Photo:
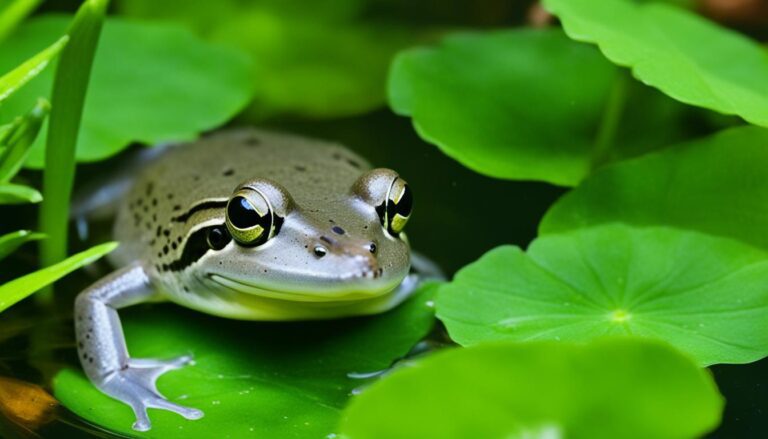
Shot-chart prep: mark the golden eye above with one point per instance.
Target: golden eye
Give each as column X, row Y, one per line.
column 398, row 206
column 249, row 218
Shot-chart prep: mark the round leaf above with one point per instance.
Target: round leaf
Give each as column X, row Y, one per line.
column 715, row 185
column 276, row 380
column 151, row 83
column 687, row 57
column 521, row 104
column 609, row 389
column 706, row 295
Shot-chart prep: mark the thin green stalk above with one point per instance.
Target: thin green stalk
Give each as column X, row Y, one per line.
column 68, row 97
column 15, row 13
column 609, row 124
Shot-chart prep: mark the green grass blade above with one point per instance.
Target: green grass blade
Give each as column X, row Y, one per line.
column 18, row 194
column 11, row 241
column 69, row 88
column 18, row 289
column 17, row 142
column 16, row 78
column 15, row 13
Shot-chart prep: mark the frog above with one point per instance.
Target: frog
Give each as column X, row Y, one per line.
column 246, row 224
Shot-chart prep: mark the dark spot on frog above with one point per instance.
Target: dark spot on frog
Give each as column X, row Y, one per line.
column 165, row 249
column 252, row 141
column 174, row 245
column 150, row 188
column 336, row 156
column 229, row 172
column 176, row 207
column 159, row 254
column 139, row 202
column 167, row 233
column 154, row 202
column 337, row 230
column 300, row 168
column 196, row 178
column 154, row 217
column 353, row 163
column 170, row 196
column 158, row 231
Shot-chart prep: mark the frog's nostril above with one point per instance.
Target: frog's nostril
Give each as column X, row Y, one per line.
column 372, row 247
column 320, row 251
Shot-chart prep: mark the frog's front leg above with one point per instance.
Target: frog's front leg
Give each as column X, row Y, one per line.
column 102, row 349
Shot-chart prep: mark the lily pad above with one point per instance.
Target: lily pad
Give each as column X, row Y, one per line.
column 275, row 380
column 150, row 83
column 715, row 185
column 523, row 104
column 684, row 55
column 627, row 388
column 706, row 295
column 296, row 46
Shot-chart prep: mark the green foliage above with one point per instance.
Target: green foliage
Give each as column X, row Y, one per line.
column 276, row 380
column 715, row 185
column 315, row 59
column 685, row 56
column 11, row 241
column 24, row 72
column 524, row 104
column 13, row 14
column 16, row 140
column 705, row 295
column 608, row 389
column 151, row 83
column 18, row 194
column 68, row 97
column 18, row 289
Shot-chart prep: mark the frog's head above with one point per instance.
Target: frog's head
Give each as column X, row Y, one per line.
column 347, row 247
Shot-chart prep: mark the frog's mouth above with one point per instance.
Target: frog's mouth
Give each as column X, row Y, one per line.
column 344, row 293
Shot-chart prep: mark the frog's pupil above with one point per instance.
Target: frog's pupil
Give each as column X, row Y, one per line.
column 217, row 238
column 242, row 214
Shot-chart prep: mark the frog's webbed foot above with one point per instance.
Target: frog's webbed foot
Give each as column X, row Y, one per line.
column 103, row 352
column 135, row 385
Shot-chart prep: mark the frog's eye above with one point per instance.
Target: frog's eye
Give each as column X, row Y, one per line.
column 250, row 219
column 396, row 209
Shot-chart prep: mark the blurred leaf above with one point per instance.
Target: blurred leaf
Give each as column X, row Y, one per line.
column 522, row 104
column 20, row 136
column 275, row 380
column 687, row 57
column 23, row 73
column 618, row 388
column 14, row 13
column 11, row 241
column 151, row 83
column 18, row 289
column 715, row 185
column 18, row 194
column 707, row 296
column 317, row 59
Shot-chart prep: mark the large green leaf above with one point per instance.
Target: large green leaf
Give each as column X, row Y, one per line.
column 18, row 289
column 150, row 83
column 18, row 194
column 706, row 295
column 276, row 380
column 316, row 59
column 524, row 104
column 620, row 388
column 26, row 70
column 685, row 56
column 11, row 241
column 717, row 185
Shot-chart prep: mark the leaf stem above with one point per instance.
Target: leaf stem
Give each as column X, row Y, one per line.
column 68, row 98
column 609, row 124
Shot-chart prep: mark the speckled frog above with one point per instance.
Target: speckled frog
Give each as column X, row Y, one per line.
column 247, row 225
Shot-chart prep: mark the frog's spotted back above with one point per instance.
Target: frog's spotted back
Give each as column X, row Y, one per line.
column 315, row 173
